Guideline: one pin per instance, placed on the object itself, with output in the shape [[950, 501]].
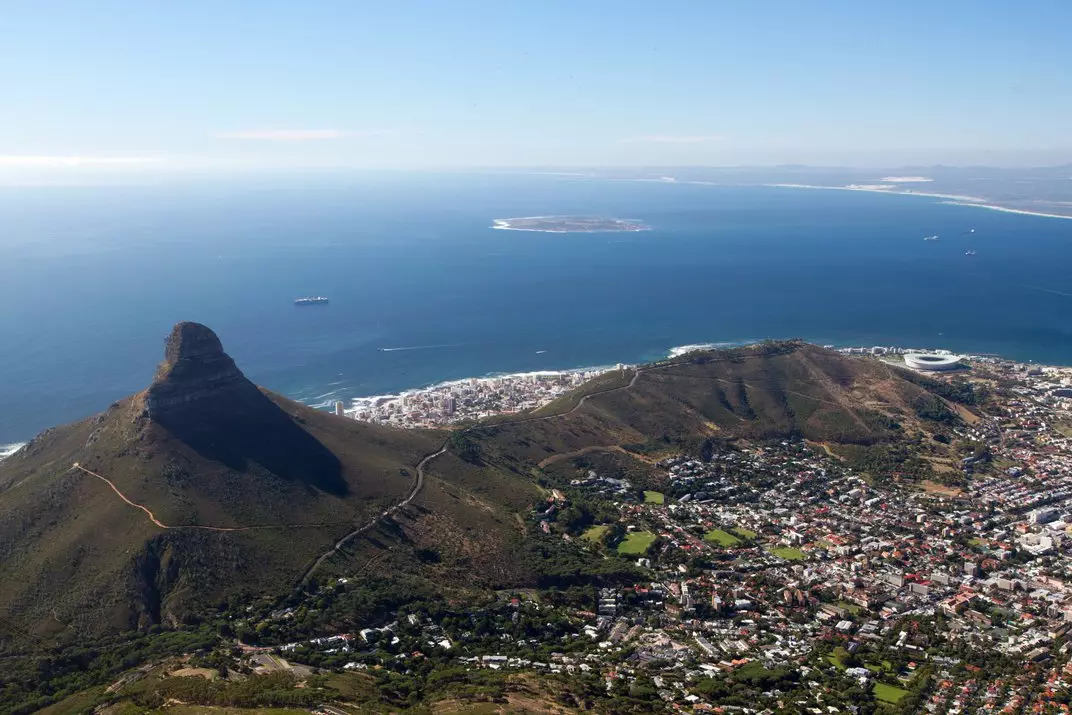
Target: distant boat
[[969, 253], [317, 300], [931, 238], [972, 231]]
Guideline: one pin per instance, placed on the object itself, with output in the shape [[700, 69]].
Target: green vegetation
[[789, 553], [956, 390], [653, 497], [885, 461], [30, 684], [254, 691], [852, 608], [637, 543], [596, 533], [889, 693], [722, 538], [606, 382], [744, 533], [554, 564], [839, 658], [929, 407]]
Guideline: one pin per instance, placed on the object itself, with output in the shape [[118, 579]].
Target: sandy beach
[[952, 199]]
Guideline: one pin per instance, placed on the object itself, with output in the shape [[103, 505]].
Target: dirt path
[[152, 517], [162, 525]]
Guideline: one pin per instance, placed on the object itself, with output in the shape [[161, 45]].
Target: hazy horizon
[[478, 85]]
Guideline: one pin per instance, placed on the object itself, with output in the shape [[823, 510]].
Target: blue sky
[[268, 83]]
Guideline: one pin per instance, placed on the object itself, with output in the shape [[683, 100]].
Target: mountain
[[205, 488], [769, 391], [240, 490]]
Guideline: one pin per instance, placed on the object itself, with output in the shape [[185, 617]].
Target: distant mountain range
[[204, 487]]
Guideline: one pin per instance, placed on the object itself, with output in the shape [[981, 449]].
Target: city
[[470, 399]]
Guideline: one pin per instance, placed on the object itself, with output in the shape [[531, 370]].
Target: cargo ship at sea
[[316, 300]]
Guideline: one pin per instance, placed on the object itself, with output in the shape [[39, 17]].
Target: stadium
[[927, 361]]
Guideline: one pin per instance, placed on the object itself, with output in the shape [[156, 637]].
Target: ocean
[[422, 289]]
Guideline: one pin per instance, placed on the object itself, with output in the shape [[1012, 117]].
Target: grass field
[[746, 533], [850, 607], [889, 693], [722, 538], [789, 553], [654, 498], [595, 533], [636, 543]]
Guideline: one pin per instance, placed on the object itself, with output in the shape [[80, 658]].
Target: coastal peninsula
[[569, 224]]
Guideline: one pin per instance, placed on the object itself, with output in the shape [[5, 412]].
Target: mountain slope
[[778, 390], [201, 447]]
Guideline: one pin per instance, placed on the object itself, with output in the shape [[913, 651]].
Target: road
[[362, 529], [423, 464]]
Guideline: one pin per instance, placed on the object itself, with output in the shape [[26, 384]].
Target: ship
[[969, 253], [931, 238], [316, 300]]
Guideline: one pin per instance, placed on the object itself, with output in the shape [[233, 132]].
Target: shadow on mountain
[[201, 397], [260, 433]]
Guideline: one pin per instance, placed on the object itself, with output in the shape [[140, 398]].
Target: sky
[[255, 84]]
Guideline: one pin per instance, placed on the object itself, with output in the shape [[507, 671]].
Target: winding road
[[360, 530], [442, 450]]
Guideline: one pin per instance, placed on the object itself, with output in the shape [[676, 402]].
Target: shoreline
[[674, 352], [951, 199], [487, 378], [1006, 209]]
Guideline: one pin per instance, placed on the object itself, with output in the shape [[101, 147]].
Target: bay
[[423, 290]]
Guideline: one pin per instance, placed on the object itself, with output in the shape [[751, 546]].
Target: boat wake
[[419, 347], [1051, 291]]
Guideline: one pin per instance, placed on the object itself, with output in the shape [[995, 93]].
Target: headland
[[476, 398]]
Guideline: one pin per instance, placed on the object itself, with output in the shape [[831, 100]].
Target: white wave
[[6, 450], [683, 349]]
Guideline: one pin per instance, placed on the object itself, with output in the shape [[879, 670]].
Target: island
[[570, 224]]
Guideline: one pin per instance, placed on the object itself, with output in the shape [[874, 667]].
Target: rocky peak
[[195, 370]]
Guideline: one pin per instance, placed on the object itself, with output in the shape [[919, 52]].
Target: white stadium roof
[[929, 361]]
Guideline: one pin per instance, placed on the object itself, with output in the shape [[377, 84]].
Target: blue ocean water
[[423, 290]]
